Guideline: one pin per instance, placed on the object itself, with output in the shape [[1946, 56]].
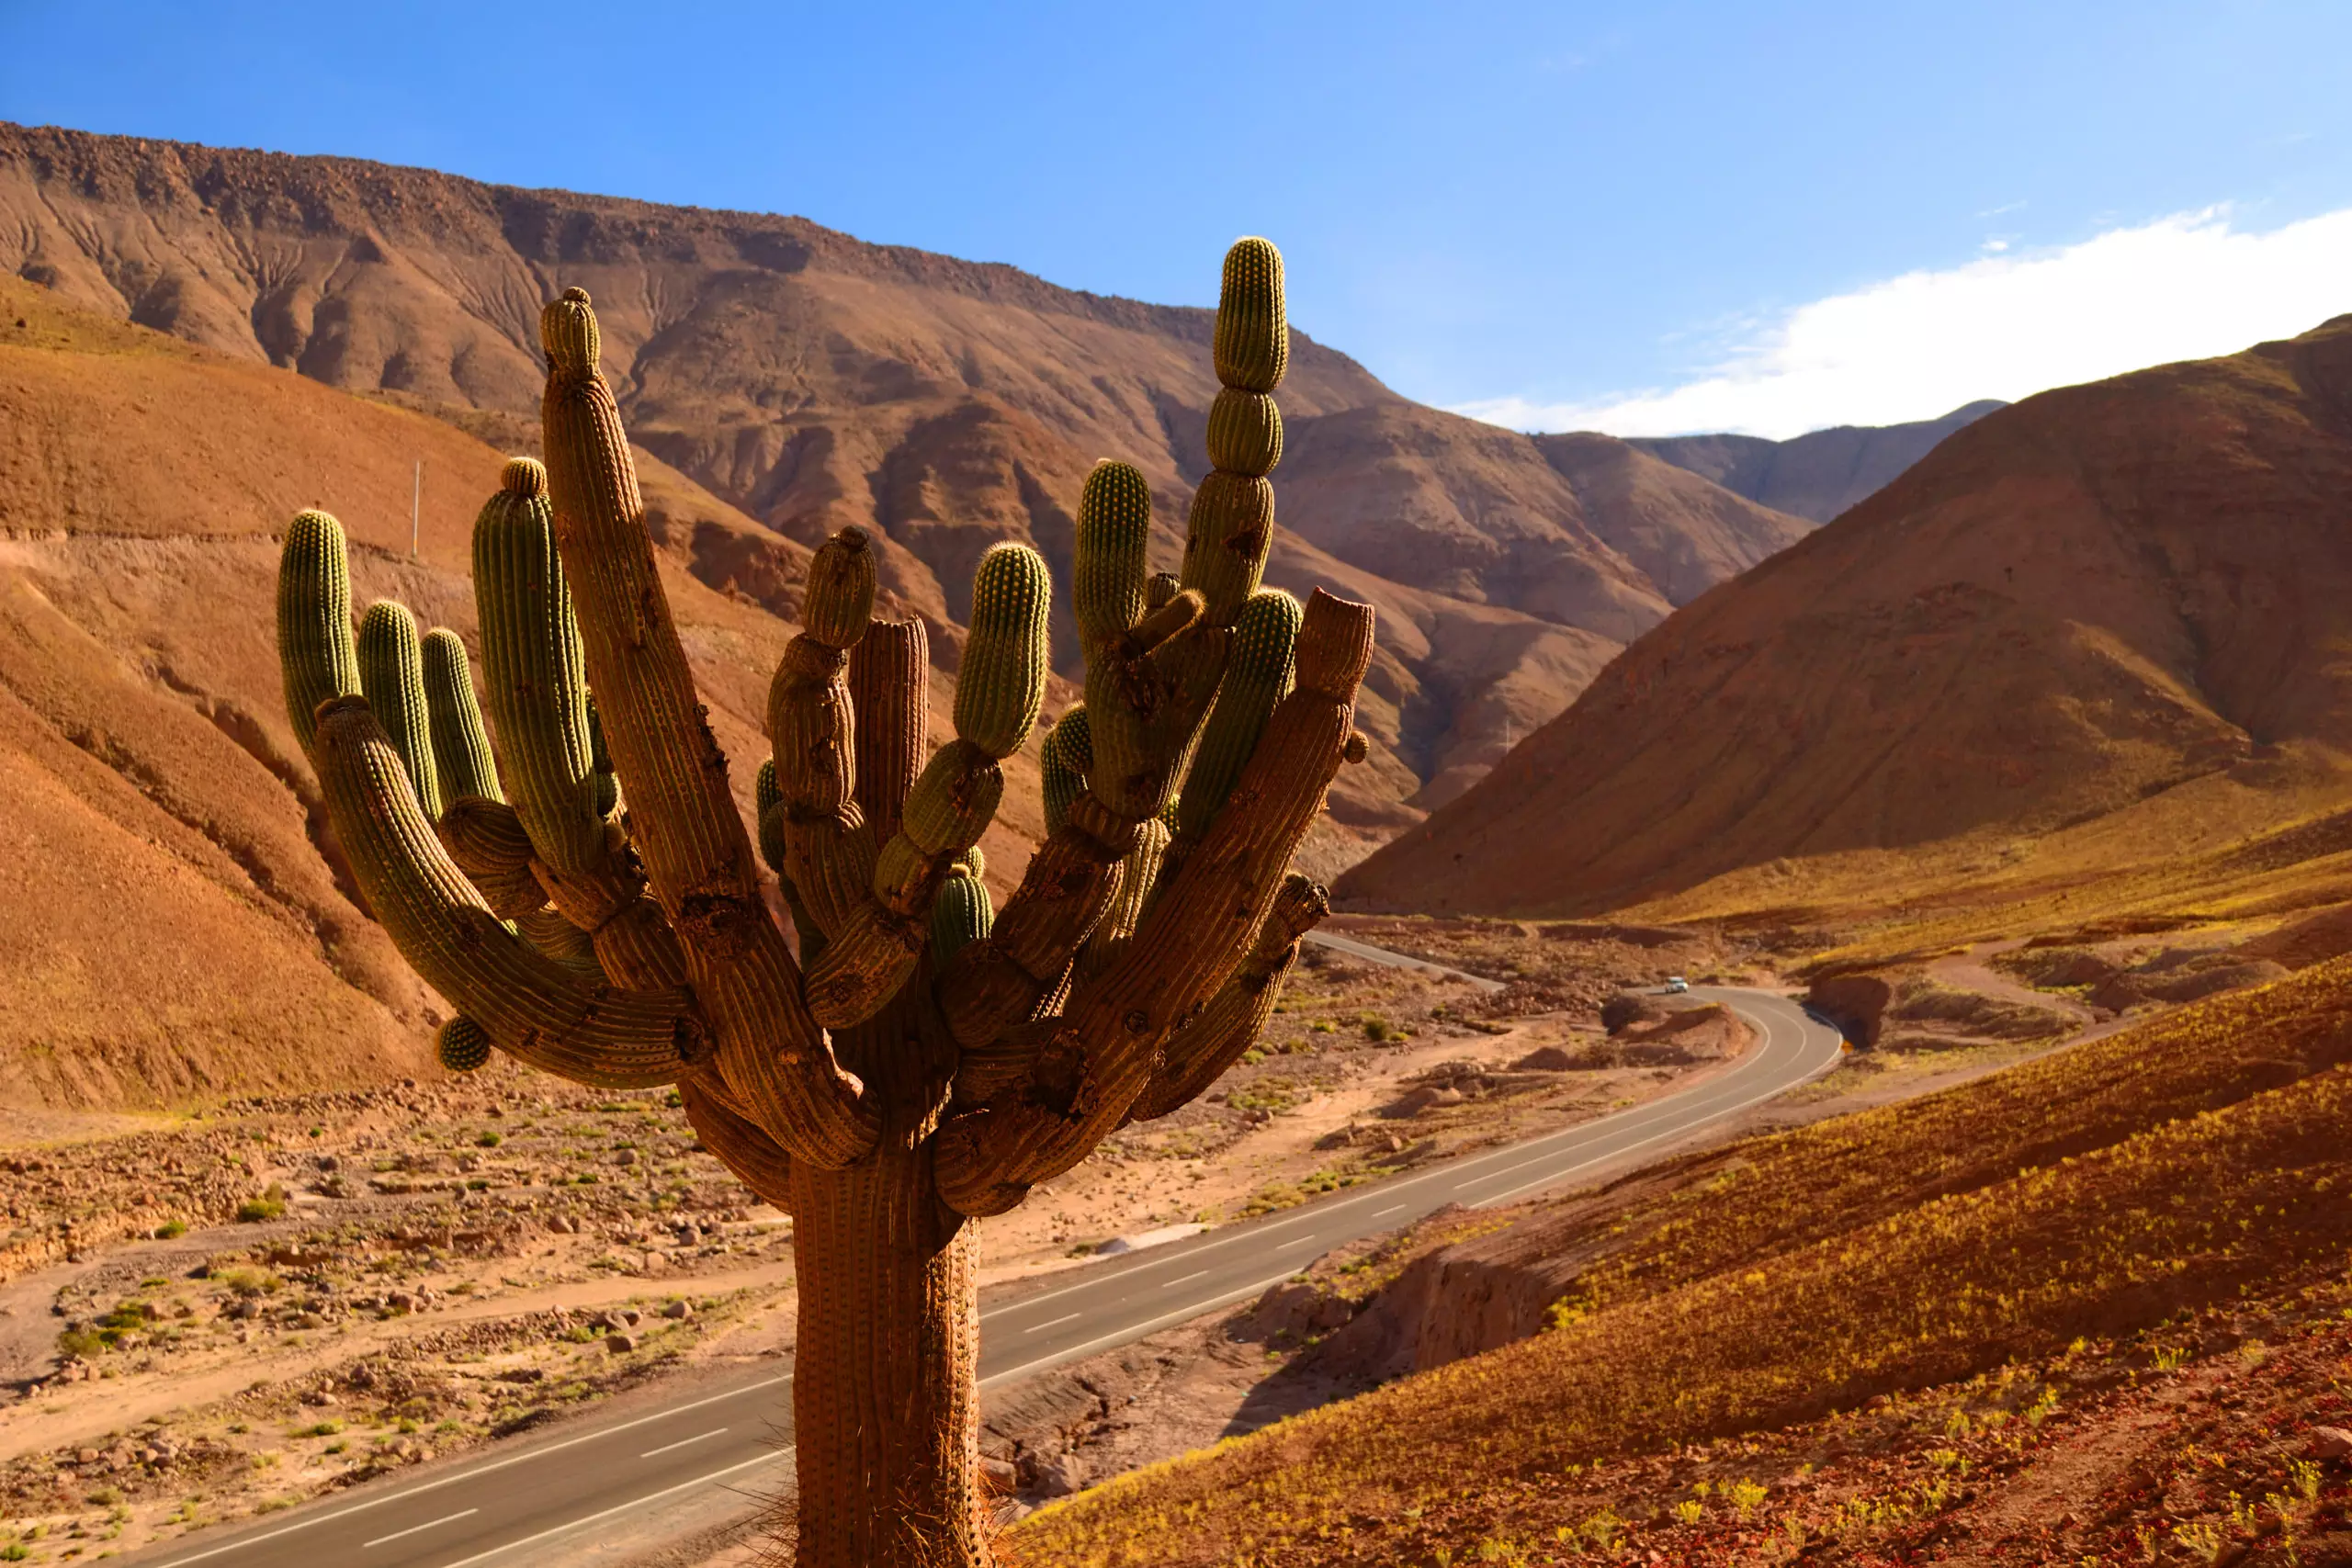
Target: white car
[[1676, 984]]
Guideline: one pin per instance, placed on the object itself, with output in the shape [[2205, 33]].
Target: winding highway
[[492, 1511]]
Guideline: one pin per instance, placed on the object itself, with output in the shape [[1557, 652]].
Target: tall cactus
[[929, 1057]]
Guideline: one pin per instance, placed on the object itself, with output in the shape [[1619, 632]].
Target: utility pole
[[415, 508]]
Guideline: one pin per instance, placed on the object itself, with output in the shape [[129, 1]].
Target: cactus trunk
[[885, 1406]]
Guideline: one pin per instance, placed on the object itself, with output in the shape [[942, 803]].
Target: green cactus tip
[[463, 1047], [1252, 331], [1002, 684]]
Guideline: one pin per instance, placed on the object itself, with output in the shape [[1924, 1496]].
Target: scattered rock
[[1057, 1475], [620, 1344], [678, 1310], [2329, 1443], [1544, 1059]]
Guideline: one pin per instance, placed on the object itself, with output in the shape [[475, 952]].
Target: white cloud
[[2008, 325]]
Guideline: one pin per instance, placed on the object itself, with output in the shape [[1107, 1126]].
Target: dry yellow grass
[[2165, 1165]]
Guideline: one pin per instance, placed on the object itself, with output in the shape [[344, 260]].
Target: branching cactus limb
[[528, 1005], [391, 673], [1204, 1046], [998, 695], [461, 745], [971, 1054], [685, 827], [1110, 1038], [534, 674]]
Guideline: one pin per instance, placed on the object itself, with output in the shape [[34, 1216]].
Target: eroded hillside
[[2083, 653], [811, 380]]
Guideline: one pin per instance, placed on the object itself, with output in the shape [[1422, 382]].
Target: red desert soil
[[173, 932]]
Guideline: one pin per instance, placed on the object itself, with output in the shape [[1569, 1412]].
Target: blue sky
[[1641, 217]]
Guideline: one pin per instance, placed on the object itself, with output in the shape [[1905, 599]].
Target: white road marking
[[413, 1530], [1056, 1323], [468, 1473], [683, 1442], [1392, 1208], [1187, 1280], [616, 1508]]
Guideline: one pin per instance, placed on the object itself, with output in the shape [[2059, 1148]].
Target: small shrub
[[171, 1228]]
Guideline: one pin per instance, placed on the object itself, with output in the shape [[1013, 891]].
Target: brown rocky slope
[[2094, 629], [171, 931], [813, 381]]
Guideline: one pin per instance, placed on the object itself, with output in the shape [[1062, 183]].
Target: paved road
[[483, 1513]]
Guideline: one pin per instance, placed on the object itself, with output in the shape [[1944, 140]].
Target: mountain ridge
[[2087, 633], [811, 380]]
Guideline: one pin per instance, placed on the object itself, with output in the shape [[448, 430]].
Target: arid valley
[[686, 892]]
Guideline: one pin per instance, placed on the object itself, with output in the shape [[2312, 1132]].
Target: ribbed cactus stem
[[1138, 876], [1230, 528], [607, 782], [533, 674], [391, 673], [1257, 676], [1062, 765], [962, 916], [840, 597], [1252, 327], [1245, 432], [461, 752], [1003, 683], [1107, 587], [314, 643]]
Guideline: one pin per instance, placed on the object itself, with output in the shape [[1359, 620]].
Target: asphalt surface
[[487, 1511]]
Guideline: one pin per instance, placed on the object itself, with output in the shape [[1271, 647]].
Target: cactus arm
[[529, 1005], [684, 824], [1204, 1046], [890, 688], [487, 841], [461, 755], [1117, 927], [998, 695], [756, 1160], [1070, 881], [812, 732], [961, 916], [315, 651], [1257, 675], [391, 673], [533, 674], [1232, 521], [1109, 1041], [1062, 762]]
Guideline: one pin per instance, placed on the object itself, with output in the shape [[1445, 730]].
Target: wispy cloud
[[2005, 326]]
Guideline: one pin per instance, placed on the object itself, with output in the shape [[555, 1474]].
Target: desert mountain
[[807, 379], [173, 928], [1821, 473], [2096, 629]]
